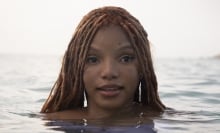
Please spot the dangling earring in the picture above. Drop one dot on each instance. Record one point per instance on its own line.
(140, 78)
(139, 95)
(85, 99)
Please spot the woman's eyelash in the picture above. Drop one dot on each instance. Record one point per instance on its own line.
(92, 59)
(127, 58)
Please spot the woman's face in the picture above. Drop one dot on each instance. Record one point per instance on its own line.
(111, 70)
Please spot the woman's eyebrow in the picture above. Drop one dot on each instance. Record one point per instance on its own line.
(92, 49)
(125, 47)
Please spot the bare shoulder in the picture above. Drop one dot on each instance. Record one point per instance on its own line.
(66, 114)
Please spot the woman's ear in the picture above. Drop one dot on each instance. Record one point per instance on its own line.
(141, 76)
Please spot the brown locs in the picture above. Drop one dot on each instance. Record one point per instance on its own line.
(68, 90)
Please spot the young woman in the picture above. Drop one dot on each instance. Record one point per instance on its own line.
(108, 63)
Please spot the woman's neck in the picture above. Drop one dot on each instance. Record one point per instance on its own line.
(103, 113)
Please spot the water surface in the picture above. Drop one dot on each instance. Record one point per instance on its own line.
(190, 86)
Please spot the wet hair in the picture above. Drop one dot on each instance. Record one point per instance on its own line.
(68, 91)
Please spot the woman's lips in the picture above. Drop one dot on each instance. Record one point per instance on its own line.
(110, 90)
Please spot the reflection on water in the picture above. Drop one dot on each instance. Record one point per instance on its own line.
(94, 126)
(137, 120)
(190, 86)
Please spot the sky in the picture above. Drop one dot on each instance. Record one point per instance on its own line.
(176, 28)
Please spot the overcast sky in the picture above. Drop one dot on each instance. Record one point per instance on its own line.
(176, 28)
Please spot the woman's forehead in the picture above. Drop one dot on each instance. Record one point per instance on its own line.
(111, 35)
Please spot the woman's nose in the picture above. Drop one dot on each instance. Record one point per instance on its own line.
(109, 70)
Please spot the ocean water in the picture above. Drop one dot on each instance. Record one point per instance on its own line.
(191, 87)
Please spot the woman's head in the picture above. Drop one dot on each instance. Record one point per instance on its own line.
(68, 91)
(111, 72)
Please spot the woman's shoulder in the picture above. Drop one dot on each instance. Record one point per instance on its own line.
(66, 114)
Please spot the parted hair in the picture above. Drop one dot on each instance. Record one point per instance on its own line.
(68, 90)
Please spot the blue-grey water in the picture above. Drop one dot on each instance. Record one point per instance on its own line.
(190, 86)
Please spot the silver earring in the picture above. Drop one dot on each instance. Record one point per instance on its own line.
(139, 97)
(85, 99)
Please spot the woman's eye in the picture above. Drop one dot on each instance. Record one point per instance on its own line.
(92, 60)
(126, 58)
